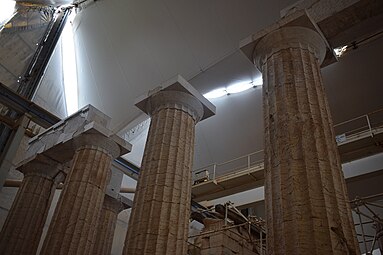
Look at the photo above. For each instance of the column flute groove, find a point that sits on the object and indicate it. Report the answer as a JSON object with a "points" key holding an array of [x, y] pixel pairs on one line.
{"points": [[74, 223], [106, 225], [305, 194], [161, 207], [318, 198], [172, 193], [24, 225]]}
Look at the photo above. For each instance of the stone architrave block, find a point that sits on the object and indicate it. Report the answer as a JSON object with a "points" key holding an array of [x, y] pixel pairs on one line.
{"points": [[58, 142]]}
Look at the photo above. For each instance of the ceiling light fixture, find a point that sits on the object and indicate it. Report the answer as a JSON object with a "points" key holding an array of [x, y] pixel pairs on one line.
{"points": [[258, 82], [234, 88], [239, 87], [340, 50], [216, 93]]}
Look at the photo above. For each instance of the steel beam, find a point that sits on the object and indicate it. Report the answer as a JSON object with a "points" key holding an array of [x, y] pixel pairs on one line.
{"points": [[21, 105]]}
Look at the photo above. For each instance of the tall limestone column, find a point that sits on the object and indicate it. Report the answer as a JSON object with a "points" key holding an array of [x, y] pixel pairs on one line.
{"points": [[24, 225], [106, 225], [159, 220], [306, 198], [74, 223]]}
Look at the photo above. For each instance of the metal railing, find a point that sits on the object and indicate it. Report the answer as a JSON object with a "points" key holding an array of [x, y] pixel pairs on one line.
{"points": [[369, 123], [212, 171]]}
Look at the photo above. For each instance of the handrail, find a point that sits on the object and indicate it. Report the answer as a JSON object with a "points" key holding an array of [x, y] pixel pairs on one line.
{"points": [[204, 167], [368, 126], [215, 165], [359, 117], [350, 120], [241, 157], [227, 162], [359, 127]]}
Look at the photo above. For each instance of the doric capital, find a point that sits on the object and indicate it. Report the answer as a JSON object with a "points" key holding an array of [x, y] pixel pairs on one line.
{"points": [[289, 37], [113, 204], [175, 100], [176, 93], [45, 167], [97, 141]]}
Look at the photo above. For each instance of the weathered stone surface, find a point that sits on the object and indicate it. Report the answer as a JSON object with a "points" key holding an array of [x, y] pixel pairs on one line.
{"points": [[299, 18], [219, 239], [23, 227], [84, 139], [159, 220], [306, 197], [60, 141], [106, 225], [160, 213], [74, 223]]}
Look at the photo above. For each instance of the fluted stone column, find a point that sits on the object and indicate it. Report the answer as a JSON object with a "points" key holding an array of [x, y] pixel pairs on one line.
{"points": [[306, 197], [24, 225], [74, 224], [160, 214], [106, 225]]}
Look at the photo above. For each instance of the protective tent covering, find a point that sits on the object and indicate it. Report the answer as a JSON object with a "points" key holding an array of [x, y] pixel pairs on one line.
{"points": [[18, 44], [19, 40], [50, 93]]}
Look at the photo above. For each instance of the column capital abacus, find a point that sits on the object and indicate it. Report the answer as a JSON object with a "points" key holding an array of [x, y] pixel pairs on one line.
{"points": [[176, 93], [296, 30], [175, 100], [289, 37], [45, 167]]}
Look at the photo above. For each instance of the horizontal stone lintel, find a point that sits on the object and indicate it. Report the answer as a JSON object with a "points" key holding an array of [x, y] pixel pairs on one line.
{"points": [[58, 142]]}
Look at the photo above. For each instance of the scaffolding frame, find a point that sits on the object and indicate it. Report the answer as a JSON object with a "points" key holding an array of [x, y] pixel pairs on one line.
{"points": [[374, 218], [248, 222]]}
